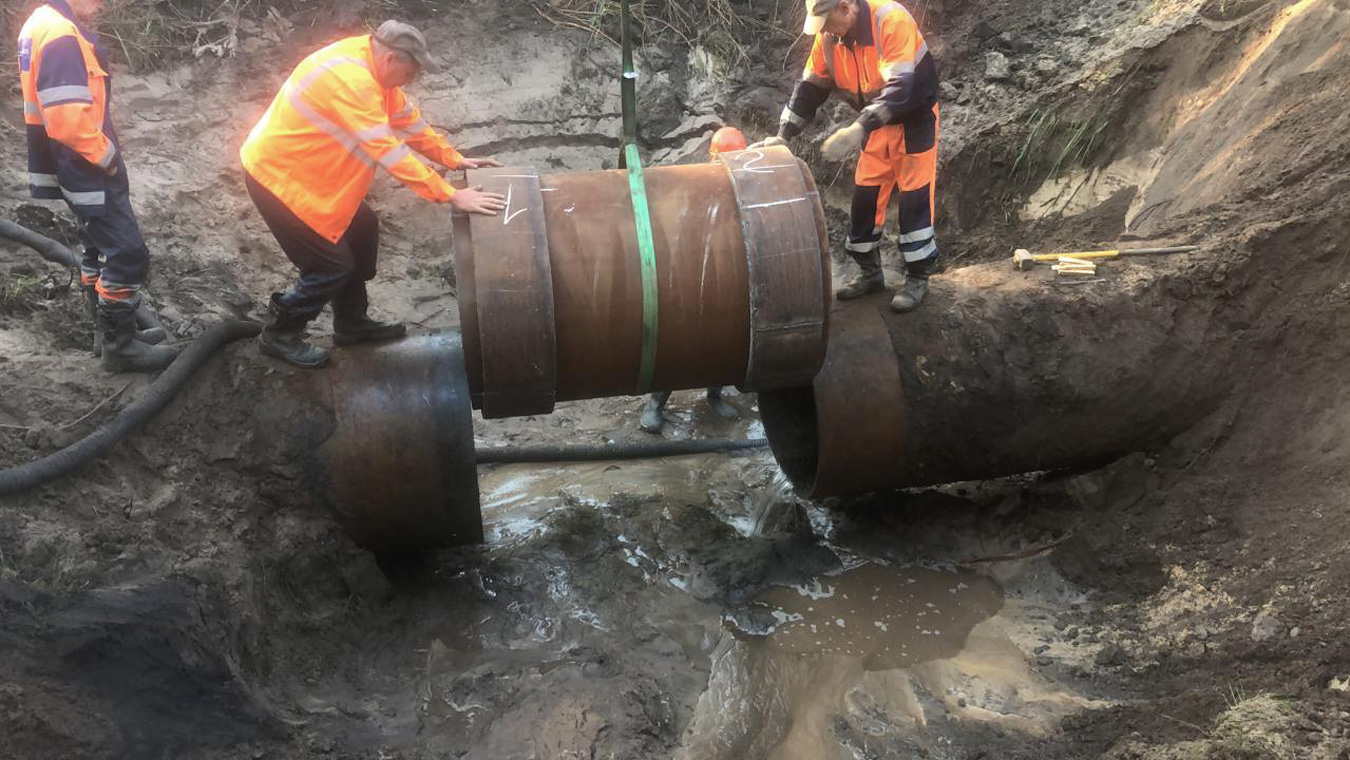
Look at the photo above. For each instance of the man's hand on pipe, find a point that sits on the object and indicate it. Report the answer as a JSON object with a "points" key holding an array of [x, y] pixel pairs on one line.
{"points": [[473, 200]]}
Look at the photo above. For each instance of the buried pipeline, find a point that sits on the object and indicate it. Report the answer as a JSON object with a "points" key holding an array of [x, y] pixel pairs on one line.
{"points": [[995, 377], [558, 302]]}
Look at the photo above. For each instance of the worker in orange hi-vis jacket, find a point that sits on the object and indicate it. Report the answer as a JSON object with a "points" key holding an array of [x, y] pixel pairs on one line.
{"points": [[724, 140], [872, 52], [73, 155], [309, 163]]}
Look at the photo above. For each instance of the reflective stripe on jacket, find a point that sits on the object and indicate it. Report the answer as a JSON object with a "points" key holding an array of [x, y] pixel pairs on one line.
{"points": [[317, 146], [882, 67], [66, 100]]}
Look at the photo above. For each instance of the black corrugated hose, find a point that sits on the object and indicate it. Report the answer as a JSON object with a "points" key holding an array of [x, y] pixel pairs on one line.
{"points": [[62, 256], [156, 397], [607, 451]]}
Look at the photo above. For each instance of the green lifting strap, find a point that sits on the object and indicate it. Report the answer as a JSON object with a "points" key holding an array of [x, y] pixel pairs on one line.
{"points": [[642, 220]]}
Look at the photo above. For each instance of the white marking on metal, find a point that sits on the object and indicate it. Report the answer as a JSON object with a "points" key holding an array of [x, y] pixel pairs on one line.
{"points": [[507, 216], [763, 169], [775, 203]]}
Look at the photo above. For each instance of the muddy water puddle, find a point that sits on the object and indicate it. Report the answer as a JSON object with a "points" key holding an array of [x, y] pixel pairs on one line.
{"points": [[884, 616], [614, 579]]}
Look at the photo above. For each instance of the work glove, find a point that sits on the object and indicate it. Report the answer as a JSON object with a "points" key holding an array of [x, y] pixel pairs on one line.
{"points": [[839, 145], [768, 142]]}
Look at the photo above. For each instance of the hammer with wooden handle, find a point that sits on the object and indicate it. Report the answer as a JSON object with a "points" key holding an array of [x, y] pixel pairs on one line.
{"points": [[1024, 259]]}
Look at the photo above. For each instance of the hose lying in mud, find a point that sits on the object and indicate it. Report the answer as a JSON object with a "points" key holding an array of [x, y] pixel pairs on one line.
{"points": [[602, 452], [160, 392], [62, 256]]}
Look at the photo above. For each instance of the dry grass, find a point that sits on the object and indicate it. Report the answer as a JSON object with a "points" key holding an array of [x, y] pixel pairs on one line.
{"points": [[148, 34], [714, 25]]}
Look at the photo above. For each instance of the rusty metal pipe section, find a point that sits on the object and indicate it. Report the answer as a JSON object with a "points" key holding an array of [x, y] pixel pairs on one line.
{"points": [[387, 434], [550, 291], [991, 378]]}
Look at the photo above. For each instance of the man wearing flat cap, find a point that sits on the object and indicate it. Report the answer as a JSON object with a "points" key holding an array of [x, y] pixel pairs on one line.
{"points": [[309, 162], [873, 54]]}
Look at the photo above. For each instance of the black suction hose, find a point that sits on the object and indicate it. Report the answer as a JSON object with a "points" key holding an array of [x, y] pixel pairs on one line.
{"points": [[603, 452], [62, 256], [160, 392]]}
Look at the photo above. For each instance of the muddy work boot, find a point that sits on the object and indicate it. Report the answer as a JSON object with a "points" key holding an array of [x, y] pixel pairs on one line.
{"points": [[652, 421], [121, 351], [151, 335], [283, 337], [350, 323], [912, 293], [724, 410], [869, 280]]}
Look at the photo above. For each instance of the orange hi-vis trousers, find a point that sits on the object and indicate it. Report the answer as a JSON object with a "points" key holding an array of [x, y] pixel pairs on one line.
{"points": [[883, 168]]}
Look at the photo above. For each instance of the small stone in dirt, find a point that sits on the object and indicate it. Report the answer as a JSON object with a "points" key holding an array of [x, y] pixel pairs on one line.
{"points": [[1071, 632], [1044, 661], [1110, 655], [1041, 649], [996, 67], [1047, 66], [1294, 632], [961, 702], [947, 92], [1266, 627]]}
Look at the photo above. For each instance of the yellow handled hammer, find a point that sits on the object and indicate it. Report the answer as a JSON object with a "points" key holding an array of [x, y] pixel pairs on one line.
{"points": [[1024, 259]]}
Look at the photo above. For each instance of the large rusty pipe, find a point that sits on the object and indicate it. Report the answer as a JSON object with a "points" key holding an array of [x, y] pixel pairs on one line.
{"points": [[990, 378], [386, 443], [551, 298]]}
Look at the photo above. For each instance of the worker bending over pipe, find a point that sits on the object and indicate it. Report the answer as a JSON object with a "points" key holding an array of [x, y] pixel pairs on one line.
{"points": [[309, 163]]}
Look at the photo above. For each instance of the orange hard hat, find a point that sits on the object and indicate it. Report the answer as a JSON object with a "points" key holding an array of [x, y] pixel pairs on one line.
{"points": [[726, 140]]}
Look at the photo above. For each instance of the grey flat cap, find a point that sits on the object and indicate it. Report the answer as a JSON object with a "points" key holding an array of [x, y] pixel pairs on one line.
{"points": [[406, 39], [816, 11]]}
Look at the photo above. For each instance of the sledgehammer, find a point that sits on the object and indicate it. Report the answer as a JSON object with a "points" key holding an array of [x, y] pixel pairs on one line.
{"points": [[1024, 259]]}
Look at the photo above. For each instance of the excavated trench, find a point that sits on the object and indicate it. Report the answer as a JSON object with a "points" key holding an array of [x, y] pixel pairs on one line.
{"points": [[1173, 591]]}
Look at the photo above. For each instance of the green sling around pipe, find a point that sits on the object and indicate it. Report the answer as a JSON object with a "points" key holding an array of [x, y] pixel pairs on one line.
{"points": [[642, 221]]}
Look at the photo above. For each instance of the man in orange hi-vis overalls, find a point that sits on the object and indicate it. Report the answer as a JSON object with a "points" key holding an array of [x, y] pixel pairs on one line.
{"points": [[309, 163], [872, 52], [73, 155]]}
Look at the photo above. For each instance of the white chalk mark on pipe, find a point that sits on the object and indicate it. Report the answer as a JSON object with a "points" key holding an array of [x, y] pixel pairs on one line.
{"points": [[775, 203]]}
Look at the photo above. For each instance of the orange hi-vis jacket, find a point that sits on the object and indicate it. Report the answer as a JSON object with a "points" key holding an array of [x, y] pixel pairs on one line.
{"points": [[882, 67], [317, 146], [66, 97]]}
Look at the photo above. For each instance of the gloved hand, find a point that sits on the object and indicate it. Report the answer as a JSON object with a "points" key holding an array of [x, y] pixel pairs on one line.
{"points": [[767, 142], [839, 145]]}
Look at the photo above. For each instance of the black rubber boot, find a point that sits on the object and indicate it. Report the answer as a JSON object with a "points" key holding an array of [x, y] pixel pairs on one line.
{"points": [[350, 323], [723, 409], [652, 420], [152, 336], [915, 288], [870, 278], [283, 337], [121, 352]]}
